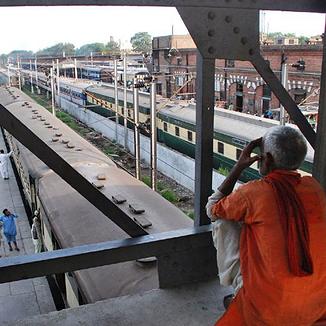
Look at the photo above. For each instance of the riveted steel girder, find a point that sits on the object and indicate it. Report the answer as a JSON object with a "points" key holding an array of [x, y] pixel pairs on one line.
{"points": [[298, 5], [223, 33]]}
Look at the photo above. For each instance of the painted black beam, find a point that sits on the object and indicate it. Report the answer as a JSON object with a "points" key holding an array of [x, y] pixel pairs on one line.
{"points": [[319, 169], [298, 5], [204, 136], [105, 253], [55, 162], [284, 97]]}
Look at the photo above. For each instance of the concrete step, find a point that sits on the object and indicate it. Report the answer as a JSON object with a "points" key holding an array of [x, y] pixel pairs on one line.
{"points": [[191, 305]]}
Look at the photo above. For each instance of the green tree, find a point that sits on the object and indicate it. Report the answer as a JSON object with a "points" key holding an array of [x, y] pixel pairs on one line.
{"points": [[20, 54], [58, 50], [141, 42], [303, 40], [94, 48], [112, 45]]}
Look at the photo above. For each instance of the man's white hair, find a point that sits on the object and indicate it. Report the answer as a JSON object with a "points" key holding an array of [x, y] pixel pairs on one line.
{"points": [[287, 146]]}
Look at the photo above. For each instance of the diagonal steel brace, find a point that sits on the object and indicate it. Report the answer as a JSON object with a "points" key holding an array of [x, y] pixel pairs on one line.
{"points": [[55, 162]]}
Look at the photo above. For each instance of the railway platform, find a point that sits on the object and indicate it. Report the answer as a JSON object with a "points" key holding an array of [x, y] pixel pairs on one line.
{"points": [[23, 298]]}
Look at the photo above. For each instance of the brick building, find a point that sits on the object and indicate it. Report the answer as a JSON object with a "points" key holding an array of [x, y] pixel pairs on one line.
{"points": [[237, 82]]}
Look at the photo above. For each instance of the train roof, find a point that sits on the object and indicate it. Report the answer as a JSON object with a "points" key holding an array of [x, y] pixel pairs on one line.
{"points": [[234, 124], [73, 219]]}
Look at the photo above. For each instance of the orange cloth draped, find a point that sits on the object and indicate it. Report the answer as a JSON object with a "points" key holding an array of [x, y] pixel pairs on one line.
{"points": [[293, 220], [272, 294]]}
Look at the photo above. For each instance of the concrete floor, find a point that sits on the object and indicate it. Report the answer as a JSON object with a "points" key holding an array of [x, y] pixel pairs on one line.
{"points": [[192, 305], [27, 297]]}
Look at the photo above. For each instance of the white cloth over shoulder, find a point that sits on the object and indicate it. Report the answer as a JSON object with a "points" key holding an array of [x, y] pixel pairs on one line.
{"points": [[226, 238]]}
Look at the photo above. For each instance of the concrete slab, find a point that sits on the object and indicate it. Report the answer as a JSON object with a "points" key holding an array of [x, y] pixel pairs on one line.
{"points": [[191, 305], [17, 307]]}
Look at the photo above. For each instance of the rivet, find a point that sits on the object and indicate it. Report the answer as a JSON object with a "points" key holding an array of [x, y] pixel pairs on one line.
{"points": [[211, 15], [244, 40], [236, 30], [228, 19], [211, 50], [211, 32]]}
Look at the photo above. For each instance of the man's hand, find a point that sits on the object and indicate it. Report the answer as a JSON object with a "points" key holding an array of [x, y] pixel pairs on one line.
{"points": [[245, 159]]}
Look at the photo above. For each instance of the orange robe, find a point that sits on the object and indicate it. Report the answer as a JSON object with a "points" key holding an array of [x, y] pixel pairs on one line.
{"points": [[270, 294]]}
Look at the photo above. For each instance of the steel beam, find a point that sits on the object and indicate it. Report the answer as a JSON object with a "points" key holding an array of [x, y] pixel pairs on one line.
{"points": [[319, 169], [298, 5], [204, 136], [280, 92], [106, 253], [55, 162], [222, 33]]}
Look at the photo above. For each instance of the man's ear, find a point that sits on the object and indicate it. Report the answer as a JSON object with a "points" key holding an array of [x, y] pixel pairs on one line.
{"points": [[269, 161]]}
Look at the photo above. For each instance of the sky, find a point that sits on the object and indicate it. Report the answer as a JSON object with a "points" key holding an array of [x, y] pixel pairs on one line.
{"points": [[35, 28]]}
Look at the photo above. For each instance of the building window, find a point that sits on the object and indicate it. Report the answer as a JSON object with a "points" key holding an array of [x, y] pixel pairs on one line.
{"points": [[189, 135], [165, 126], [230, 63], [239, 151], [122, 111], [291, 41], [177, 131], [220, 147]]}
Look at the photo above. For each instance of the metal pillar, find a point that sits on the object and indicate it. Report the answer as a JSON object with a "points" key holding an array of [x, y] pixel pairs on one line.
{"points": [[52, 91], [136, 132], [76, 72], [284, 79], [19, 76], [153, 137], [9, 82], [319, 168], [58, 84], [116, 98], [204, 136], [36, 77], [125, 106]]}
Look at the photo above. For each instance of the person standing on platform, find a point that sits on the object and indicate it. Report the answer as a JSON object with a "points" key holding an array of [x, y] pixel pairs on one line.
{"points": [[9, 228], [4, 162], [278, 268], [36, 234]]}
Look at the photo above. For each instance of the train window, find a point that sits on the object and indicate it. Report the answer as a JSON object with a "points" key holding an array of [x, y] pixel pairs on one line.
{"points": [[220, 147], [165, 126], [239, 151], [129, 113], [189, 135], [123, 111], [177, 131]]}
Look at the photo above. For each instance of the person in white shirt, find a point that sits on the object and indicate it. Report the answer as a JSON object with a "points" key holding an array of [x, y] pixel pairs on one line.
{"points": [[4, 161]]}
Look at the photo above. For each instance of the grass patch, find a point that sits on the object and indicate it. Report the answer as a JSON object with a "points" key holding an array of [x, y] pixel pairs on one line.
{"points": [[223, 171], [147, 180], [169, 195]]}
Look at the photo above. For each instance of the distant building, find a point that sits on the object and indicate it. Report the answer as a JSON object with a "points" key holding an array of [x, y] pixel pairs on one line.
{"points": [[237, 84], [285, 40], [314, 40]]}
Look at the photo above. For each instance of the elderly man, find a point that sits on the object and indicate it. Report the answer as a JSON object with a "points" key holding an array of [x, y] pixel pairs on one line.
{"points": [[282, 241]]}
